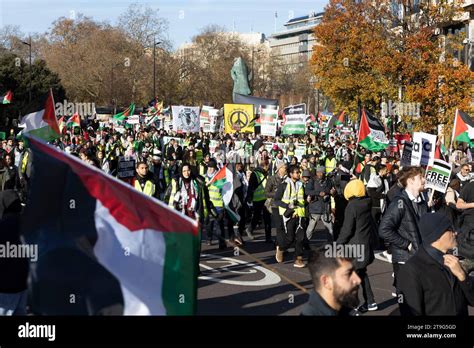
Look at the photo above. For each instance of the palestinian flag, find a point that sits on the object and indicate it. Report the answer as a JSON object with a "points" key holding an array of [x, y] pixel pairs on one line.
{"points": [[124, 114], [311, 120], [463, 130], [337, 121], [98, 237], [224, 180], [7, 98], [43, 123], [154, 107], [371, 133], [74, 121]]}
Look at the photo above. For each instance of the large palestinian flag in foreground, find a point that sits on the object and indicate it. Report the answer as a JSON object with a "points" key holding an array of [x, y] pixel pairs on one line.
{"points": [[371, 133], [43, 123], [463, 130], [125, 238]]}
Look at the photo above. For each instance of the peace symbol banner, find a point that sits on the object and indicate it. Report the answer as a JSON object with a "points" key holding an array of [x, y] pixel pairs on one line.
{"points": [[185, 119], [238, 118]]}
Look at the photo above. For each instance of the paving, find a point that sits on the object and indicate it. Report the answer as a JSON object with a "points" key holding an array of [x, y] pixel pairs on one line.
{"points": [[232, 283]]}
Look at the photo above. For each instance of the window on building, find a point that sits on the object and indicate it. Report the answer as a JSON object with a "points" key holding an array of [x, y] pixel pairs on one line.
{"points": [[459, 53]]}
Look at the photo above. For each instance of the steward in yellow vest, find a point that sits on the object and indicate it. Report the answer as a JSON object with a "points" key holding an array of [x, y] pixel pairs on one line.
{"points": [[256, 197], [143, 182], [215, 222], [290, 200], [330, 162]]}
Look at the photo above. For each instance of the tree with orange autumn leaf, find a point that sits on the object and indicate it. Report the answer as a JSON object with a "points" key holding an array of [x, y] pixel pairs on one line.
{"points": [[368, 52]]}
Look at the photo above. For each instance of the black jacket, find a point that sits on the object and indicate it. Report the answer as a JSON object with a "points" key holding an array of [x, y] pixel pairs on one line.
{"points": [[270, 188], [393, 192], [170, 150], [316, 306], [359, 229], [427, 289], [14, 270], [399, 227], [318, 203]]}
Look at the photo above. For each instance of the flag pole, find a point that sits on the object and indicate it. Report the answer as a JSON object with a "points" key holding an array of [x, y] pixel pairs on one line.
{"points": [[454, 130]]}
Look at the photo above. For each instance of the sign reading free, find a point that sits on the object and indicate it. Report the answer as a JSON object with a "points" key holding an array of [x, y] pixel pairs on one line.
{"points": [[437, 176]]}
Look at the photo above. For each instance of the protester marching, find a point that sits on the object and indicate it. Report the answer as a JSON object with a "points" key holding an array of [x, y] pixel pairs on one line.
{"points": [[185, 176]]}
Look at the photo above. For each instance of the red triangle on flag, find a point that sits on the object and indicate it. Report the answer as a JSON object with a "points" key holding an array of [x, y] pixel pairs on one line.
{"points": [[460, 126], [364, 129], [49, 115], [340, 118], [8, 97]]}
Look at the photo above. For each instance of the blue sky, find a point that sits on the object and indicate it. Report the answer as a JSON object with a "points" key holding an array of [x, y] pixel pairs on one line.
{"points": [[185, 17]]}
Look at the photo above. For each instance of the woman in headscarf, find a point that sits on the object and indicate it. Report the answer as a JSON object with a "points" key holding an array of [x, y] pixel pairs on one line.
{"points": [[189, 195], [359, 231]]}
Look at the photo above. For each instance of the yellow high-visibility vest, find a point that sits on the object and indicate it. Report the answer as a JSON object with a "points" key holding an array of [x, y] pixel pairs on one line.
{"points": [[215, 196], [24, 162], [330, 164], [259, 193], [291, 196], [149, 189]]}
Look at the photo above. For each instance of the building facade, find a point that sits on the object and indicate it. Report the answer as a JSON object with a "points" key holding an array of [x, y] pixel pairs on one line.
{"points": [[294, 45]]}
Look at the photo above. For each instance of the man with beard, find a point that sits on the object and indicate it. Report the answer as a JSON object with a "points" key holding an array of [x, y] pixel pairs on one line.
{"points": [[142, 181], [336, 285]]}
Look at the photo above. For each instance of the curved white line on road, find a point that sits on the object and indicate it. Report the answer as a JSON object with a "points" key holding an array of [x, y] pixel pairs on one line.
{"points": [[270, 278]]}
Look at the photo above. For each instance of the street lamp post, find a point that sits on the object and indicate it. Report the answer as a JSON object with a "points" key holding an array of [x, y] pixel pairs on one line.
{"points": [[154, 66], [29, 45], [112, 91]]}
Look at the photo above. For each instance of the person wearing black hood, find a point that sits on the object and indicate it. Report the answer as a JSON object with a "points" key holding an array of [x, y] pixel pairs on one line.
{"points": [[433, 282], [14, 270]]}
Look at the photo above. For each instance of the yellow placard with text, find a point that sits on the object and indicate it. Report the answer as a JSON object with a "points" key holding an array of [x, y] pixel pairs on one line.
{"points": [[239, 118]]}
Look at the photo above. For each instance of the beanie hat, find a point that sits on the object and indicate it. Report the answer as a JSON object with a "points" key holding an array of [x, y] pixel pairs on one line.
{"points": [[433, 226]]}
